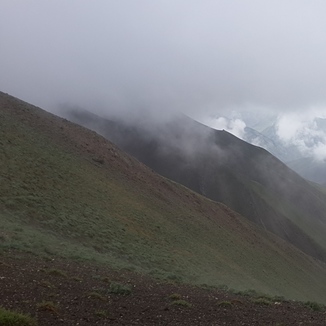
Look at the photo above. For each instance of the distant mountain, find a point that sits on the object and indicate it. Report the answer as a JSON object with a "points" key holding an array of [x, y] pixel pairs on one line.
{"points": [[66, 191], [259, 131], [310, 169], [263, 133], [270, 141], [226, 169], [307, 166], [284, 152]]}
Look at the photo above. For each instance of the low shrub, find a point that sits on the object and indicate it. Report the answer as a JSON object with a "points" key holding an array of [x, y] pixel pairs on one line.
{"points": [[48, 306], [12, 318], [175, 296], [118, 288], [262, 301], [314, 306]]}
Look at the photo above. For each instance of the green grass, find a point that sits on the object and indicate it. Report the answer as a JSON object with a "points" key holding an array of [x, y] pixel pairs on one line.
{"points": [[12, 318], [262, 301], [175, 296], [121, 289], [225, 304], [246, 293], [182, 303], [315, 306], [314, 228], [56, 201]]}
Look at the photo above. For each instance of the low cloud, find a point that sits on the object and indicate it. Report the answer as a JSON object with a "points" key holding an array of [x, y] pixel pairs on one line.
{"points": [[303, 131], [190, 56], [234, 126]]}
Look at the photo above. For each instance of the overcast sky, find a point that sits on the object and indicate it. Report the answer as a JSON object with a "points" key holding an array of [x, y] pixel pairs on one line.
{"points": [[197, 56]]}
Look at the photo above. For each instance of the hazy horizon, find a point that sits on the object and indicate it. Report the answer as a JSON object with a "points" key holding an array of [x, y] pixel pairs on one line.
{"points": [[207, 58]]}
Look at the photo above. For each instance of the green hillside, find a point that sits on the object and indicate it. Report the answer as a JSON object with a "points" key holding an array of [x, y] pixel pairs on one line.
{"points": [[226, 169], [67, 191]]}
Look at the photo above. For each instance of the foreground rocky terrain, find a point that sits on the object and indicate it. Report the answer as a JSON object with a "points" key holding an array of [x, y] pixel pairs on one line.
{"points": [[61, 292]]}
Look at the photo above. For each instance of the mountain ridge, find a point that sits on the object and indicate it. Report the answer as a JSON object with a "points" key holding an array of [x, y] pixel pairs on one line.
{"points": [[226, 169], [66, 191]]}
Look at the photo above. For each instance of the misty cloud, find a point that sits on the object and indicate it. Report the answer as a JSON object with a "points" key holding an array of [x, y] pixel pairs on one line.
{"points": [[288, 136], [303, 131], [235, 126], [197, 57]]}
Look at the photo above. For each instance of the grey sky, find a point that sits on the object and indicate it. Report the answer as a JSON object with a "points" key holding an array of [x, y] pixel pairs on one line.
{"points": [[194, 56]]}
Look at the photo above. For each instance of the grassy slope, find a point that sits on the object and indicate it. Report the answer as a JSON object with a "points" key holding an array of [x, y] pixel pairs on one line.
{"points": [[65, 190], [244, 177]]}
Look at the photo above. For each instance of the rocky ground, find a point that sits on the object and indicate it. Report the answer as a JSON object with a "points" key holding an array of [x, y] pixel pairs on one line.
{"points": [[61, 292]]}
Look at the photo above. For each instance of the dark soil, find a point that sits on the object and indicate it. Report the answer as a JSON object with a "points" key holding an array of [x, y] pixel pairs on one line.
{"points": [[61, 292]]}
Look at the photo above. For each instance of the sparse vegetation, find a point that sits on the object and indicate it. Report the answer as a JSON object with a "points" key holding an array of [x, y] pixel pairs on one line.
{"points": [[175, 296], [182, 303], [174, 278], [236, 301], [225, 304], [57, 272], [246, 293], [118, 288], [96, 295], [101, 313], [149, 296], [314, 306], [262, 301], [77, 279], [278, 298], [47, 284], [223, 287], [106, 279], [48, 306], [12, 318], [55, 202]]}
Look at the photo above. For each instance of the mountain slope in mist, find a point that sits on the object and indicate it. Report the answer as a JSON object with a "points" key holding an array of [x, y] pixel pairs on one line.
{"points": [[67, 191], [310, 169], [301, 161], [302, 149], [269, 140], [226, 169], [304, 163]]}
